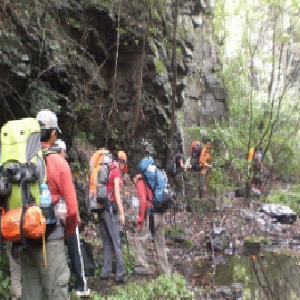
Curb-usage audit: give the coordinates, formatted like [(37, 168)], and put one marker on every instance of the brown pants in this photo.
[(159, 243)]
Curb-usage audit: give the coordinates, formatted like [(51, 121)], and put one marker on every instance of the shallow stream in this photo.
[(268, 275)]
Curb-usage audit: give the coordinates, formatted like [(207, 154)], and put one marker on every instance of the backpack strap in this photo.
[(24, 194), (1, 237), (46, 152)]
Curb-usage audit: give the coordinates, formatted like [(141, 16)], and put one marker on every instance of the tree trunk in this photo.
[(138, 102), (174, 65)]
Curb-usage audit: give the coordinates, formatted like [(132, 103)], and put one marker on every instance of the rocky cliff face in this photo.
[(61, 54)]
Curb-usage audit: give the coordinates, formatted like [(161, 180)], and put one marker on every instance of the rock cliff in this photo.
[(61, 54)]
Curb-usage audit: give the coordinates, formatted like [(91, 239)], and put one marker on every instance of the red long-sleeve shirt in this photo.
[(145, 197), (60, 183)]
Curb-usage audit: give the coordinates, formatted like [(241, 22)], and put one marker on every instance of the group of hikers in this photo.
[(39, 266)]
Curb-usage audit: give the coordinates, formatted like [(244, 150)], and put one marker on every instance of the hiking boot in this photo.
[(121, 280), (83, 292), (142, 271)]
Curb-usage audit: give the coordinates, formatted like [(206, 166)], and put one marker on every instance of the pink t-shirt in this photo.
[(114, 173)]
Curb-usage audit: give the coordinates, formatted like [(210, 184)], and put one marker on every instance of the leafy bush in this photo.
[(162, 287), (285, 197), (129, 259), (4, 277)]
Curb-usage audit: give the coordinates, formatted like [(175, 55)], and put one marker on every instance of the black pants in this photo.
[(77, 266)]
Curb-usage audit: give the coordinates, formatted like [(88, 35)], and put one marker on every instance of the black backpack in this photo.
[(171, 166), (195, 156)]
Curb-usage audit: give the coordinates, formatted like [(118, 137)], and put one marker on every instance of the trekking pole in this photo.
[(126, 237), (174, 212), (206, 182), (183, 191)]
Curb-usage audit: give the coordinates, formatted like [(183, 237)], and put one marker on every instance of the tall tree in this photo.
[(174, 83)]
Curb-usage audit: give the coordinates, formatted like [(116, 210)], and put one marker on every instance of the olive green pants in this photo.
[(178, 184), (202, 185), (45, 283)]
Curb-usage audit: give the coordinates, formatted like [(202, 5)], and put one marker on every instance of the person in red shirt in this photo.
[(51, 282), (109, 222), (143, 233), (73, 242)]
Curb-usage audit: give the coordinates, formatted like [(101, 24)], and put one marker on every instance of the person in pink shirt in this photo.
[(109, 222)]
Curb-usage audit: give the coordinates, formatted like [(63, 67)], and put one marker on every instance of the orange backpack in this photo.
[(96, 162)]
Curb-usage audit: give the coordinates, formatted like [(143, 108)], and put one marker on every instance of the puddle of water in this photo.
[(266, 276)]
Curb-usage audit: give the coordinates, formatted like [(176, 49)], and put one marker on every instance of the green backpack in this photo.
[(23, 167)]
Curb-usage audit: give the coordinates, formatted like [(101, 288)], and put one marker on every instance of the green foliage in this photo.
[(74, 23), (251, 240), (162, 287), (290, 198), (4, 277), (261, 112), (129, 259), (42, 96), (189, 243), (83, 106), (159, 66)]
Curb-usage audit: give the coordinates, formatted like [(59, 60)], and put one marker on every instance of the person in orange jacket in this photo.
[(204, 160)]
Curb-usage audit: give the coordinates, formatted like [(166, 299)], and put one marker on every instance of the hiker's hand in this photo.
[(211, 151), (122, 219), (139, 229)]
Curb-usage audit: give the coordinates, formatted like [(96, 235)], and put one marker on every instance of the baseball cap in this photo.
[(47, 119), (60, 144)]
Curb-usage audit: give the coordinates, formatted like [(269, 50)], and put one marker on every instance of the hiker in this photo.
[(177, 178), (51, 282), (142, 234), (250, 158), (73, 243), (205, 158), (257, 160), (109, 222)]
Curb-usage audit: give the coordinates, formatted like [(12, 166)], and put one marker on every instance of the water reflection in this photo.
[(264, 276)]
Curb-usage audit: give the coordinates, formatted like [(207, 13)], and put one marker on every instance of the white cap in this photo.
[(47, 119), (60, 144)]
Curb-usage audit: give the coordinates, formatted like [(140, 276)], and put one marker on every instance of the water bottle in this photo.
[(61, 208), (45, 197)]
